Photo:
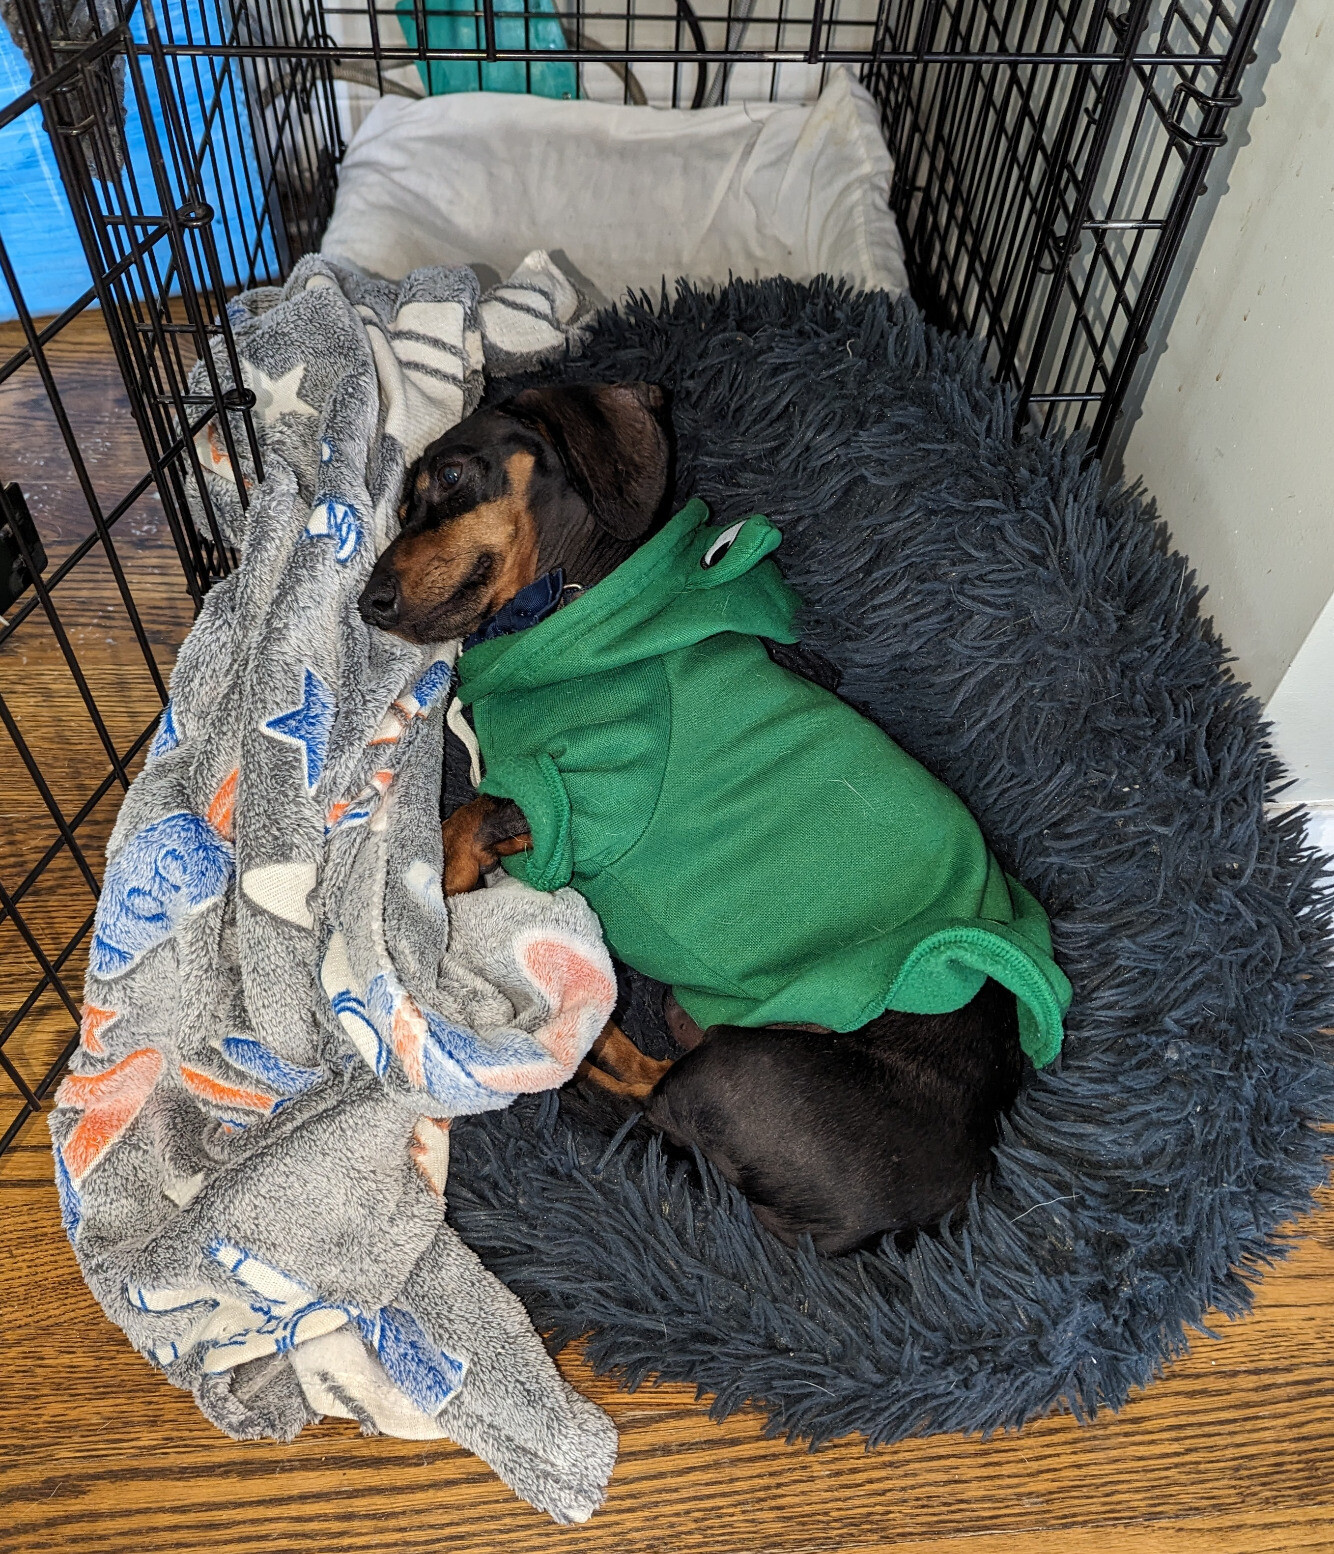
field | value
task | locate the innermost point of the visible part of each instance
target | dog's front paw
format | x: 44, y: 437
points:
x: 476, y: 836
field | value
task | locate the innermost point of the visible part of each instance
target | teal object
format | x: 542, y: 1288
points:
x: 451, y: 24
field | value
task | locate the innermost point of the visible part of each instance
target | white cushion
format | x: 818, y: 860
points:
x: 627, y: 195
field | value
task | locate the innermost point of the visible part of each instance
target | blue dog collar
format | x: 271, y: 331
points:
x: 527, y: 608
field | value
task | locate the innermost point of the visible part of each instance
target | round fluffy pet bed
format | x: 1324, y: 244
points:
x: 1037, y: 645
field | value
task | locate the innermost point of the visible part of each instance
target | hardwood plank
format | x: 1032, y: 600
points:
x: 1246, y: 1534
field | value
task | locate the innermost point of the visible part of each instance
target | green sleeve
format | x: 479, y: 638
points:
x: 534, y: 784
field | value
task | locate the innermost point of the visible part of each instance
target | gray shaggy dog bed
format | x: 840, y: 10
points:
x: 1037, y: 645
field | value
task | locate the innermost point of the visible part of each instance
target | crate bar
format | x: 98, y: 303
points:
x: 864, y: 56
x: 1190, y: 186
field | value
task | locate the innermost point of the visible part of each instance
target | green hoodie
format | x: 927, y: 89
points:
x: 744, y: 835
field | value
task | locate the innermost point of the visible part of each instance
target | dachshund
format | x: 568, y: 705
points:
x: 844, y: 1136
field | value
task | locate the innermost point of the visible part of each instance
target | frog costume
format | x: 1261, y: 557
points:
x: 743, y: 835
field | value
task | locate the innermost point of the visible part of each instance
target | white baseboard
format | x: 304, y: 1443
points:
x: 1319, y: 826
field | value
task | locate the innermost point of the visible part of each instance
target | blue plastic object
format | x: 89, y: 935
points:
x: 35, y: 221
x: 453, y: 24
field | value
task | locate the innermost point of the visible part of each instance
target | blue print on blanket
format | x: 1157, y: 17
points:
x: 168, y: 735
x: 427, y: 1046
x: 308, y: 725
x: 71, y: 1205
x: 337, y: 521
x: 170, y: 869
x: 356, y: 1020
x: 448, y: 1061
x: 457, y: 1062
x: 451, y: 1058
x: 432, y: 683
x: 277, y: 1073
x: 423, y: 1372
x: 269, y: 1312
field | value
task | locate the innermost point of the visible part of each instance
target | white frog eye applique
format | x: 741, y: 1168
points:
x: 721, y: 545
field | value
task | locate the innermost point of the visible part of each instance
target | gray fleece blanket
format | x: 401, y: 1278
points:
x: 282, y: 1016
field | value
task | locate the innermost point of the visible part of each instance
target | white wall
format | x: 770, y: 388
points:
x: 1304, y: 727
x: 1236, y: 439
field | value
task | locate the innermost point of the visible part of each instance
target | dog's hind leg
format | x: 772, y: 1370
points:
x: 614, y: 1063
x: 686, y: 1032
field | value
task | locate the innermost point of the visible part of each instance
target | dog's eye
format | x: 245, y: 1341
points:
x: 481, y: 571
x: 451, y: 474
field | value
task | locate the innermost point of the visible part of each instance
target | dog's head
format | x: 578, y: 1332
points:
x: 573, y: 476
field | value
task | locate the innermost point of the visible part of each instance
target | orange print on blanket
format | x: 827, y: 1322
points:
x: 395, y: 720
x: 93, y: 1022
x: 222, y: 809
x: 110, y: 1103
x: 408, y: 1032
x: 209, y: 1089
x: 579, y: 992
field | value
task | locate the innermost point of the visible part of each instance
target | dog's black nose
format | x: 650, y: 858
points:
x: 380, y: 601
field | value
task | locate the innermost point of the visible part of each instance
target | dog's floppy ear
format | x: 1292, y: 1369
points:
x: 613, y: 444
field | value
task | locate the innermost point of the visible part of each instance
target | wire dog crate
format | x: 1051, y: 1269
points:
x: 1049, y: 155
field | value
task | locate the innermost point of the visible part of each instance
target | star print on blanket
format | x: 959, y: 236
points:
x: 276, y: 396
x: 307, y: 726
x: 281, y: 1013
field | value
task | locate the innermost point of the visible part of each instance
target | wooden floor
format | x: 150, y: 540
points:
x: 1232, y: 1451
x: 36, y: 679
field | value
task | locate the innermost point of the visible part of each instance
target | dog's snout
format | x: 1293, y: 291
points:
x: 381, y: 600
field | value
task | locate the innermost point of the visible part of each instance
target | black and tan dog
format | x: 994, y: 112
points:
x: 842, y: 1136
